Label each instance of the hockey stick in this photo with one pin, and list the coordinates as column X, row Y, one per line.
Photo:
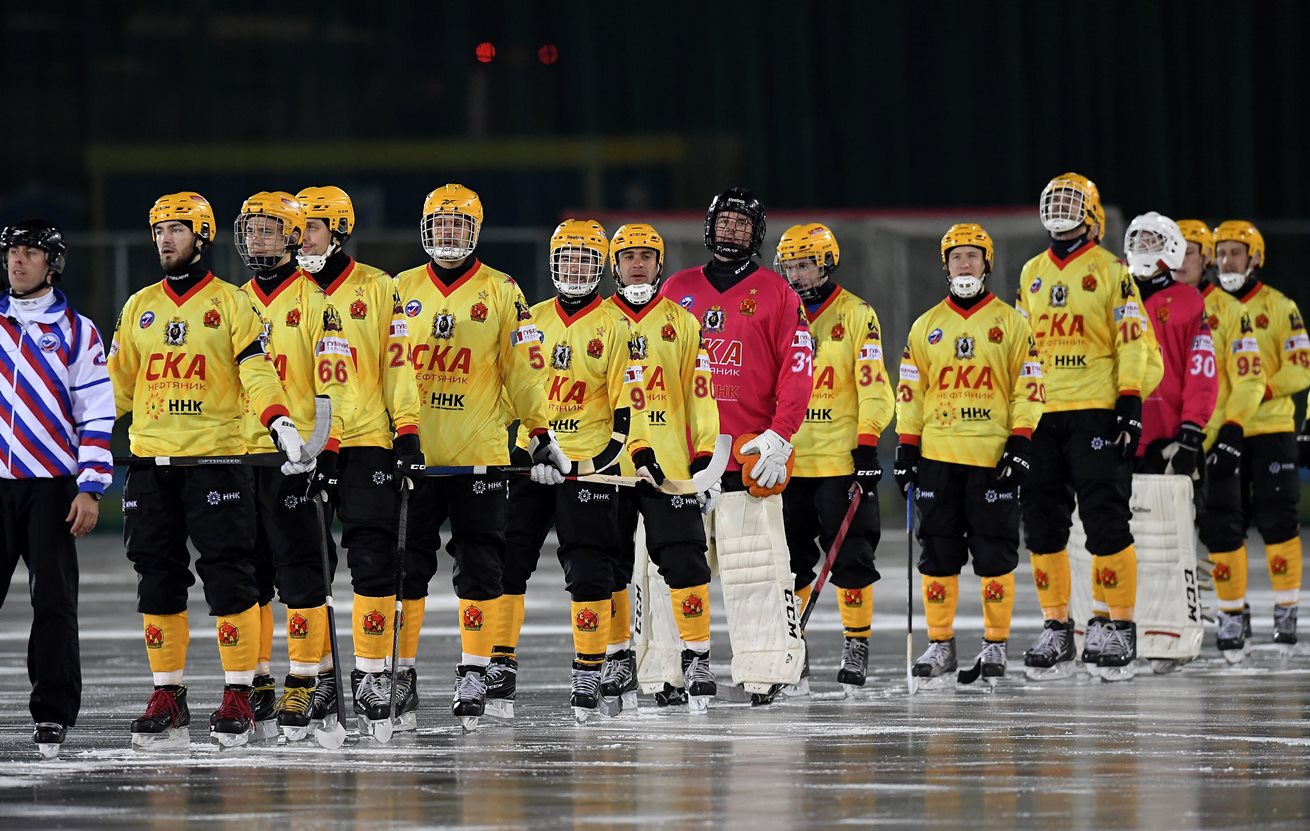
column 331, row 739
column 587, row 467
column 909, row 590
column 856, row 495
column 698, row 483
column 318, row 439
column 402, row 533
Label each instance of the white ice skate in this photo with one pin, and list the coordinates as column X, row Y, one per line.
column 935, row 668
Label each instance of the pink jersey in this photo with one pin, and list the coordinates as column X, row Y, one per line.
column 759, row 346
column 1190, row 384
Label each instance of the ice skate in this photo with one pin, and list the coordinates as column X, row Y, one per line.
column 1119, row 651
column 502, row 684
column 49, row 737
column 989, row 665
column 770, row 694
column 1285, row 629
column 671, row 696
column 618, row 683
column 585, row 695
column 406, row 681
column 854, row 664
column 470, row 699
column 293, row 708
column 698, row 678
column 372, row 692
column 801, row 689
column 163, row 726
column 1052, row 656
column 263, row 703
column 936, row 665
column 1231, row 636
column 323, row 707
column 1093, row 640
column 233, row 723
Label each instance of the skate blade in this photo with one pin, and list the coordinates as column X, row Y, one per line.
column 405, row 722
column 48, row 751
column 662, row 700
column 468, row 723
column 1164, row 666
column 1114, row 674
column 801, row 689
column 1062, row 670
column 1285, row 650
column 582, row 715
column 176, row 738
column 331, row 735
column 1233, row 656
column 1090, row 667
column 502, row 708
column 945, row 681
column 295, row 733
column 699, row 704
column 379, row 730
column 265, row 730
column 849, row 690
column 227, row 741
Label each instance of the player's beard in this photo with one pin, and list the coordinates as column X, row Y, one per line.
column 179, row 262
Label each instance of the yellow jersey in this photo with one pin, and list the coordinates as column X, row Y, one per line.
column 1284, row 356
column 1241, row 376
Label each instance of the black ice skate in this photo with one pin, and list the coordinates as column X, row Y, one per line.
column 233, row 723
column 1052, row 656
column 698, row 680
column 49, row 737
column 1093, row 641
column 1119, row 651
column 263, row 702
column 502, row 684
column 1230, row 636
column 671, row 696
column 1285, row 628
column 854, row 664
column 618, row 683
column 293, row 708
column 585, row 695
column 163, row 726
column 989, row 665
column 406, row 681
column 372, row 704
column 470, row 699
column 936, row 665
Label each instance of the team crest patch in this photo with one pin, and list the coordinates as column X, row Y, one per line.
column 587, row 620
column 935, row 593
column 693, row 606
column 331, row 320
column 993, row 592
column 561, row 357
column 175, row 332
column 154, row 637
column 637, row 348
column 1246, row 324
column 228, row 635
column 443, row 325
column 396, row 308
column 1162, row 314
column 147, row 318
column 995, row 335
column 1089, row 282
column 595, row 347
column 713, row 320
column 478, row 313
column 1041, row 579
column 687, row 301
column 1214, row 321
column 212, row 319
column 838, row 332
column 473, row 619
column 297, row 627
column 1278, row 565
column 412, row 308
column 1295, row 319
column 373, row 623
column 670, row 334
column 747, row 306
column 1126, row 288
column 1221, row 573
column 1109, row 578
column 964, row 347
column 1261, row 321
column 521, row 308
column 852, row 598
column 1059, row 294
column 358, row 309
column 934, row 338
column 293, row 318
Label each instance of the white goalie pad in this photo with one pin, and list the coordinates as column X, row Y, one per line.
column 1168, row 610
column 754, row 568
column 655, row 638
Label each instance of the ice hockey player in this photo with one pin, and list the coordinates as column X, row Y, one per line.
column 671, row 401
column 761, row 355
column 850, row 405
column 1220, row 522
column 303, row 338
column 184, row 351
column 1271, row 487
column 587, row 343
column 56, row 463
column 476, row 358
column 1086, row 315
column 378, row 455
column 971, row 392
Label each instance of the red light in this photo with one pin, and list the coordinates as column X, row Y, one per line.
column 486, row 52
column 548, row 54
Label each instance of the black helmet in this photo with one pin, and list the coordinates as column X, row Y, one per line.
column 739, row 201
column 37, row 233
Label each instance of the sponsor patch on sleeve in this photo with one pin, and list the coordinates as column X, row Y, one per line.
column 1128, row 311
column 1298, row 341
column 909, row 372
column 524, row 334
column 399, row 328
column 1031, row 369
column 334, row 346
column 870, row 352
column 703, row 363
column 1245, row 345
column 802, row 339
column 633, row 374
column 1203, row 343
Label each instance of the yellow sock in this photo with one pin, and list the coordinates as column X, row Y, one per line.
column 371, row 627
column 940, row 594
column 1051, row 576
column 998, row 606
column 477, row 626
column 803, row 598
column 1229, row 576
column 1118, row 575
column 238, row 644
column 1284, row 561
column 167, row 637
column 620, row 617
column 304, row 639
column 411, row 625
column 591, row 624
column 325, row 662
column 509, row 623
column 691, row 611
column 856, row 607
column 265, row 634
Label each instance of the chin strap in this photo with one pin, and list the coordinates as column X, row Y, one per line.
column 17, row 295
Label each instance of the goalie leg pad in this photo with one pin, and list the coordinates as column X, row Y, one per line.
column 654, row 636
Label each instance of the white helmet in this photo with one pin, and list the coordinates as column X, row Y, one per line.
column 1154, row 243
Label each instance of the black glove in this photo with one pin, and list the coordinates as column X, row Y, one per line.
column 644, row 461
column 1128, row 424
column 323, row 481
column 1013, row 467
column 1226, row 456
column 906, row 471
column 409, row 459
column 700, row 463
column 1302, row 442
column 1190, row 439
column 868, row 470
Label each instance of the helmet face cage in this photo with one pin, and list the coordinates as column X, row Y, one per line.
column 262, row 240
column 576, row 269
column 1154, row 243
column 1065, row 205
column 735, row 200
column 36, row 233
column 790, row 265
column 449, row 235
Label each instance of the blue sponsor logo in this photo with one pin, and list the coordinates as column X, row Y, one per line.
column 147, row 319
column 935, row 336
column 1036, row 286
column 686, row 301
column 412, row 308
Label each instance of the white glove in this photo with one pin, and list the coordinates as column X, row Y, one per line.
column 288, row 440
column 709, row 497
column 774, row 450
column 549, row 464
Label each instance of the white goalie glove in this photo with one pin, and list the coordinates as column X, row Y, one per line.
column 549, row 464
column 774, row 450
column 288, row 440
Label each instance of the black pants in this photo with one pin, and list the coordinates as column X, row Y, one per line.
column 32, row 527
column 369, row 508
column 675, row 537
column 214, row 508
column 813, row 509
column 962, row 510
column 287, row 553
column 1270, row 487
column 478, row 509
column 1074, row 454
column 585, row 519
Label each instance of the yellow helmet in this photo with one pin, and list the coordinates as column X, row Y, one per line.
column 578, row 251
column 270, row 224
column 1069, row 200
column 1239, row 230
column 1194, row 230
column 455, row 240
column 969, row 233
column 189, row 207
column 330, row 204
column 637, row 235
column 807, row 242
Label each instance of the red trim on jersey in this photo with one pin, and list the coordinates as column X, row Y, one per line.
column 1073, row 255
column 192, row 292
column 464, row 278
column 333, row 445
column 634, row 315
column 570, row 319
column 266, row 417
column 341, row 278
column 909, row 439
column 823, row 307
column 1207, row 288
column 970, row 312
column 407, row 430
column 267, row 299
column 868, row 440
column 1256, row 285
column 1025, row 432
